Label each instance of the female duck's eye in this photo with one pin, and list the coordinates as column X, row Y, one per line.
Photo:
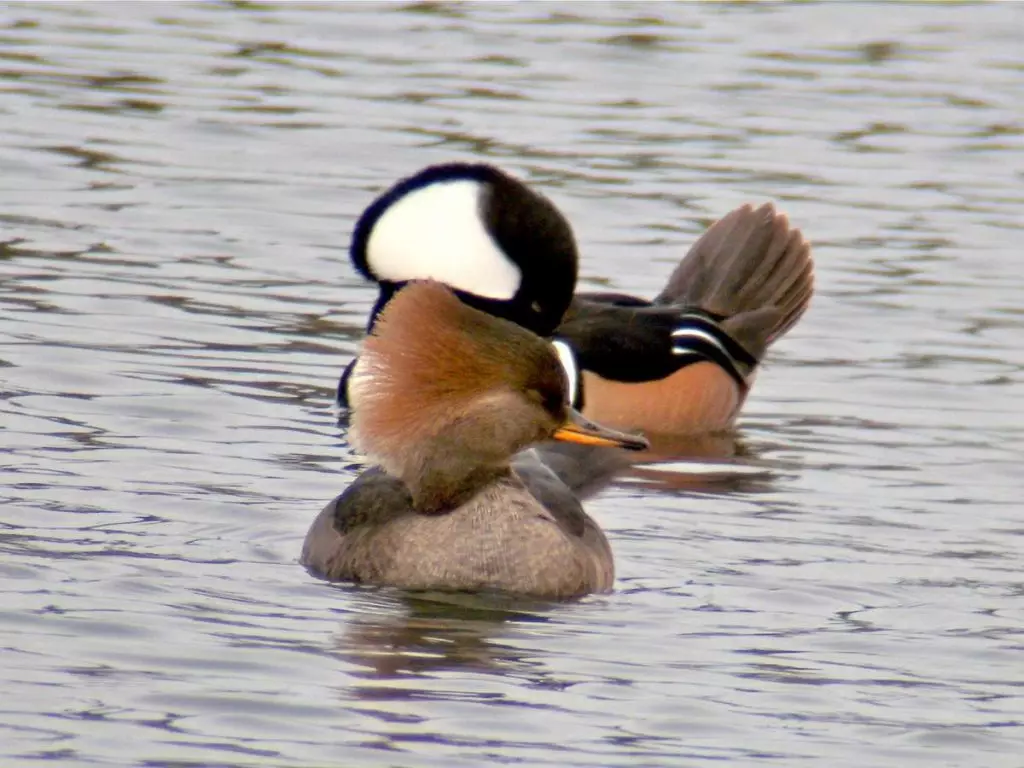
column 554, row 400
column 548, row 399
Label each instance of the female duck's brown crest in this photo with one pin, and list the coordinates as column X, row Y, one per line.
column 431, row 360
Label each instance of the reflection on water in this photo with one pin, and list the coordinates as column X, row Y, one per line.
column 435, row 634
column 840, row 586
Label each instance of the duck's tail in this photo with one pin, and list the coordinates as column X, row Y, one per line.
column 751, row 271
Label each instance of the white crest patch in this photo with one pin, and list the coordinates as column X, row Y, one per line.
column 568, row 360
column 436, row 233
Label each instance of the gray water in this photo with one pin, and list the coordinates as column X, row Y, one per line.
column 177, row 188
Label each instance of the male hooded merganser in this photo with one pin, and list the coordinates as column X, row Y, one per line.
column 680, row 364
column 443, row 398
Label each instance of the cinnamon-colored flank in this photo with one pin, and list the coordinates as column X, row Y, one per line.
column 443, row 397
column 696, row 399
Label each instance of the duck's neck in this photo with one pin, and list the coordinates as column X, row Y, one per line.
column 439, row 486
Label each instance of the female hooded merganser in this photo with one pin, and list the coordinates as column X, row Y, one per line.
column 443, row 397
column 680, row 364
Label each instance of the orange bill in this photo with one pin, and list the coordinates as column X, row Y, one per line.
column 577, row 429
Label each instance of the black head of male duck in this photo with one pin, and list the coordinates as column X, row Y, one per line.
column 501, row 246
column 444, row 396
column 680, row 364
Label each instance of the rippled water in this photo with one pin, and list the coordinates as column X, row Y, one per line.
column 178, row 186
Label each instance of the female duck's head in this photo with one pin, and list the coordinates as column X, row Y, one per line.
column 443, row 395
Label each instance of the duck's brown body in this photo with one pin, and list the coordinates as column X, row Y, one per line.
column 502, row 538
column 701, row 398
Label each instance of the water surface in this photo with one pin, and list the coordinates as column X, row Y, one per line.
column 178, row 186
